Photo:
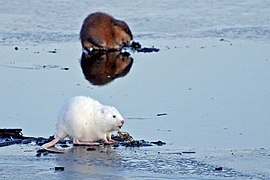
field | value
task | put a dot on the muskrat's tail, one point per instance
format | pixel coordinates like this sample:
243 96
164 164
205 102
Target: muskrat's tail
51 143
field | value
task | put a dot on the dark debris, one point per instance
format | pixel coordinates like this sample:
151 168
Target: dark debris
60 168
162 114
136 46
135 143
7 133
14 136
52 51
188 152
218 169
159 143
148 50
65 68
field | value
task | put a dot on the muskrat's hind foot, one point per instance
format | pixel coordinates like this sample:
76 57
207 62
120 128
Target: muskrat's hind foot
84 143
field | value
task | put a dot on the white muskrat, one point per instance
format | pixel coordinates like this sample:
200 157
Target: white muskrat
86 120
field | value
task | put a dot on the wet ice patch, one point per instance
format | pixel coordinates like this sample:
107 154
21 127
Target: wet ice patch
31 67
175 165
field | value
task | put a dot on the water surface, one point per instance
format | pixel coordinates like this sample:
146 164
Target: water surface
210 78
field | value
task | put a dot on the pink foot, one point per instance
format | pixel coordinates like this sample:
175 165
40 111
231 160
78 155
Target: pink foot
111 141
85 143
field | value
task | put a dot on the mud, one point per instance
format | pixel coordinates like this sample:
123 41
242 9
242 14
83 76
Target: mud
15 136
137 47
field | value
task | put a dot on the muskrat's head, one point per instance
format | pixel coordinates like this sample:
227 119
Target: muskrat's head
112 118
122 32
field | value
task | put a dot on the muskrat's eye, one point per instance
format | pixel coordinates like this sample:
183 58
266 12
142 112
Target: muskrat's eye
114 116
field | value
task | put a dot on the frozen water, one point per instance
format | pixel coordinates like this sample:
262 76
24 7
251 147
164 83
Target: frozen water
60 21
211 78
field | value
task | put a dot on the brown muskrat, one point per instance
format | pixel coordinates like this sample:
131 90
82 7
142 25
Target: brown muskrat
102 31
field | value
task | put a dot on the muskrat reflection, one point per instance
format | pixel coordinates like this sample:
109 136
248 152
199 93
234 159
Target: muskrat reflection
102 67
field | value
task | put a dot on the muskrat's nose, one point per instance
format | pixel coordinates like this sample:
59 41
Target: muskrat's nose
122 122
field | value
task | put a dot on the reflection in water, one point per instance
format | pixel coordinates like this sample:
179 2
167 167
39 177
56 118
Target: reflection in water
107 162
102 67
94 160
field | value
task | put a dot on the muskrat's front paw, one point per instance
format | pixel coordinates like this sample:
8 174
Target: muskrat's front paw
110 142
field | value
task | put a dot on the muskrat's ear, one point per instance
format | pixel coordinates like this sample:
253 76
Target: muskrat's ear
103 110
114 22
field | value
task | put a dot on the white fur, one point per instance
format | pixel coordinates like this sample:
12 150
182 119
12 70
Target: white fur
85 119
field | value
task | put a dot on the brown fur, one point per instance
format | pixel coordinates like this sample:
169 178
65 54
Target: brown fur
102 31
100 68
